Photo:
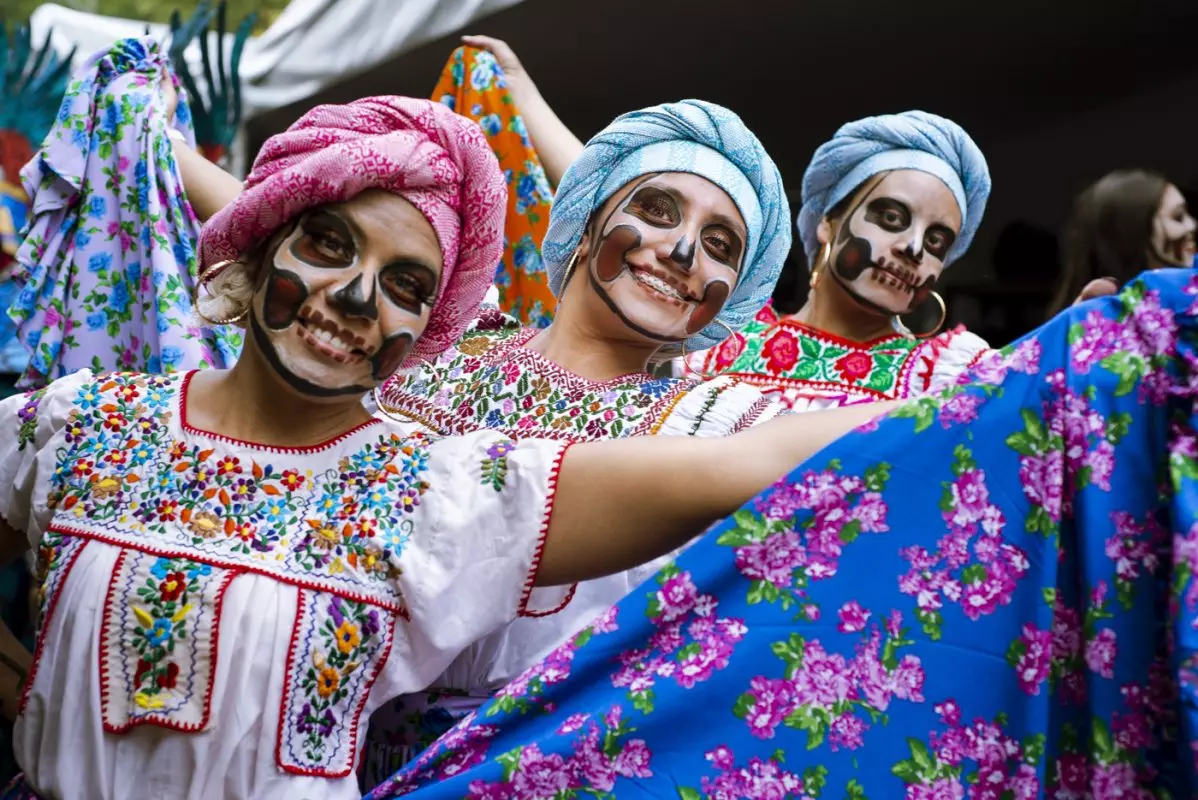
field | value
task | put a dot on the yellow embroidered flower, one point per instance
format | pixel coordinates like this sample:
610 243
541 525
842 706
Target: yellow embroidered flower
327 681
540 388
105 487
475 346
149 701
205 524
347 637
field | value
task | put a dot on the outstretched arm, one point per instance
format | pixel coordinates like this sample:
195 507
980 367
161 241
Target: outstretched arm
556 146
623 503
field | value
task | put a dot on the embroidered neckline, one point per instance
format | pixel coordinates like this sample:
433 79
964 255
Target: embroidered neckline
192 430
815 333
518 344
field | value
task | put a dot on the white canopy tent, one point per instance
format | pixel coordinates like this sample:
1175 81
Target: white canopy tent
312 45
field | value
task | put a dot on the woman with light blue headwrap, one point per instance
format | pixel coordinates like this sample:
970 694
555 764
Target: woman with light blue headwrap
888 203
667 233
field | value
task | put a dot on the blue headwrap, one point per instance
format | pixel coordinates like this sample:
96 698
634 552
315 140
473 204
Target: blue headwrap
695 137
911 140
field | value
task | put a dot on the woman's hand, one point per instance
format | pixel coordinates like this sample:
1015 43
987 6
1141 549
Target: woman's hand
504 55
1100 287
170 94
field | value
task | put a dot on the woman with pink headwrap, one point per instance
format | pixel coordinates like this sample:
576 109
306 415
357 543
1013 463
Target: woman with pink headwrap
239 566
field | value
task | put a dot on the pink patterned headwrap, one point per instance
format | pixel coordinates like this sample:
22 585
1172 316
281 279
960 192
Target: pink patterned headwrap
418 149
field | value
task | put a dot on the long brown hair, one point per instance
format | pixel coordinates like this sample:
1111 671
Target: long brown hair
1110 231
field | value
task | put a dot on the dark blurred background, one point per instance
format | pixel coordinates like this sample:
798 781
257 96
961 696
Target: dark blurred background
1056 94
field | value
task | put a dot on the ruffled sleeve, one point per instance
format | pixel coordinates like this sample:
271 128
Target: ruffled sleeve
719 407
471 565
952 353
34 426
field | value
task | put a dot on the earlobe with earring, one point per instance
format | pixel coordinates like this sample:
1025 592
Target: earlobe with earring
686 356
204 280
940 324
821 263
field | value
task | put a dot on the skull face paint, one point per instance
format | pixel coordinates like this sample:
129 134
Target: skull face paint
345 293
1172 240
890 247
666 255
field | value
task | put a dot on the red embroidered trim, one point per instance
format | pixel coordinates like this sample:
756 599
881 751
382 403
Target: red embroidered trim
316 448
153 719
44 627
236 566
356 715
750 417
531 581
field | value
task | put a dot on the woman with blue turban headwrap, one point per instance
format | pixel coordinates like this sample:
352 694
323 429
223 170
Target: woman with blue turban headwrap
888 203
667 233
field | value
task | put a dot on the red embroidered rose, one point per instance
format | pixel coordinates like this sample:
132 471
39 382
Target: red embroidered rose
729 351
767 314
854 366
172 586
781 351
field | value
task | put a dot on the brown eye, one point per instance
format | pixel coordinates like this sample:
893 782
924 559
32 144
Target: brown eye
407 290
657 207
718 243
892 218
320 246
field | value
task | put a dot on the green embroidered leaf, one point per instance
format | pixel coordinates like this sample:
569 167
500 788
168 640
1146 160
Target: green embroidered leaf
854 791
1015 652
1033 748
687 793
906 771
1117 426
743 705
877 476
850 531
810 348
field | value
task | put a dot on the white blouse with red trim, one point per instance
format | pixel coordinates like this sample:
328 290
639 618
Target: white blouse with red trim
219 618
808 369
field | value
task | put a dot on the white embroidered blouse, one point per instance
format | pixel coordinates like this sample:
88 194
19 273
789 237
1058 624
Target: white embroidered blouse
220 618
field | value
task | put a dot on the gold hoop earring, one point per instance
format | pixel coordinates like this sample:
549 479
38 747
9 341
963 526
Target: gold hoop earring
821 263
209 274
943 316
571 265
685 355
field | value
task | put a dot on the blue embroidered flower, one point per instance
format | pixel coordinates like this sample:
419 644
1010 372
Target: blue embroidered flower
82 239
161 568
99 262
656 388
494 418
119 297
96 320
98 207
491 124
171 356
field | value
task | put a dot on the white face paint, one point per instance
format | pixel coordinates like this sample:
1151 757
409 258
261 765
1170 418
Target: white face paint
346 293
668 251
889 249
1173 228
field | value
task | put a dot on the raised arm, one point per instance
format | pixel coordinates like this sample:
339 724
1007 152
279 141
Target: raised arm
209 188
623 503
556 146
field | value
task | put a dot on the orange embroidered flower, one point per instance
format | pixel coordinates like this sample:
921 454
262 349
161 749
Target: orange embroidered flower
177 451
327 681
348 637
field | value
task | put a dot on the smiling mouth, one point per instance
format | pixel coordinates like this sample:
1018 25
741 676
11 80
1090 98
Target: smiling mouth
894 276
326 337
661 285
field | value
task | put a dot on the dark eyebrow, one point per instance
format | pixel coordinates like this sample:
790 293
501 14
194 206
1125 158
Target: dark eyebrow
721 219
340 224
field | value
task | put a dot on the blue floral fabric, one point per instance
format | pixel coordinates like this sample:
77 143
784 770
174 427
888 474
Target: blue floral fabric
989 594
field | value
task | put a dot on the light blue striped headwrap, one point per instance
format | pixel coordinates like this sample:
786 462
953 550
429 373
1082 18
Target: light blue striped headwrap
911 140
690 136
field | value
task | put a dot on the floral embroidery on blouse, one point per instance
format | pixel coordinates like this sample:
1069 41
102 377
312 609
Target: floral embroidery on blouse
492 380
124 476
494 466
338 648
775 352
28 417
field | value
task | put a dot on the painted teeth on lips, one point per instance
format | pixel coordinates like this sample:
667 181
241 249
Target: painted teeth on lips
661 282
905 279
326 332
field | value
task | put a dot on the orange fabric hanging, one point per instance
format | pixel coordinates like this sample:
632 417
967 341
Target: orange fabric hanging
472 84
